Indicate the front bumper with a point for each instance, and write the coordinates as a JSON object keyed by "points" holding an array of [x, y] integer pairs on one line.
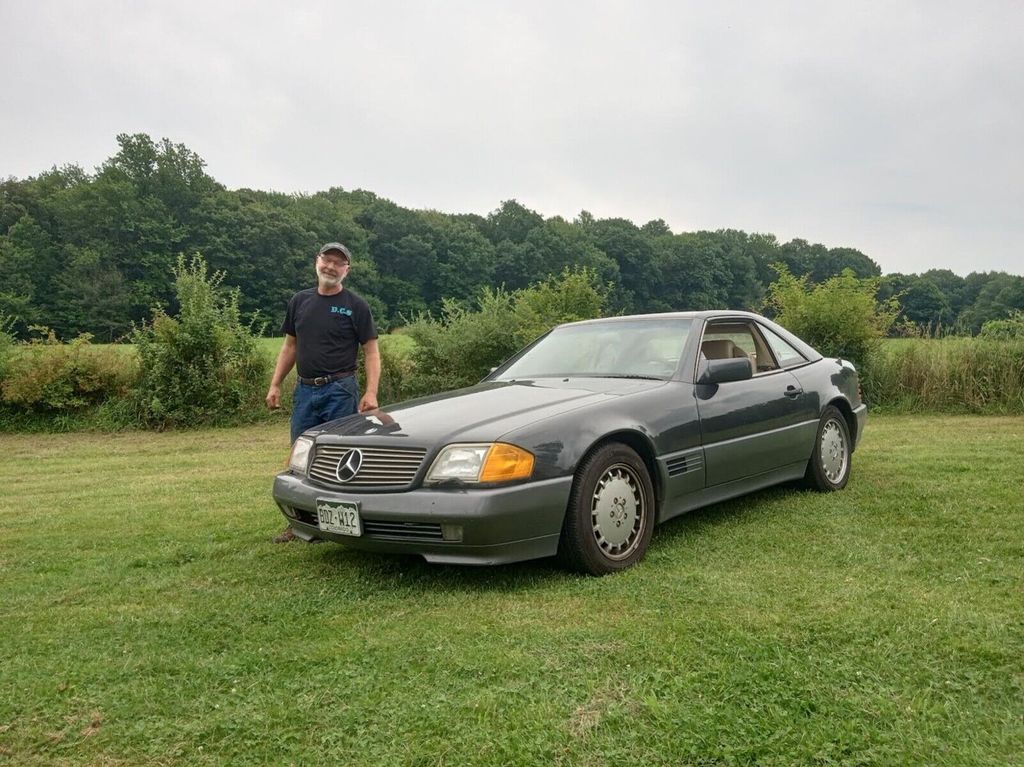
{"points": [[496, 525]]}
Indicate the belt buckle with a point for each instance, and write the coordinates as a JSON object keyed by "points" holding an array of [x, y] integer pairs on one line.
{"points": [[321, 380]]}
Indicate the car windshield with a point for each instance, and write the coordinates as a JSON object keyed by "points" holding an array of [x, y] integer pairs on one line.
{"points": [[641, 348]]}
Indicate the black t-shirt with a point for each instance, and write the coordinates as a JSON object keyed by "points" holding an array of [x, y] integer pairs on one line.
{"points": [[328, 331]]}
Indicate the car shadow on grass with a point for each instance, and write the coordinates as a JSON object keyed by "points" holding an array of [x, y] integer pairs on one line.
{"points": [[704, 520], [404, 571], [409, 570]]}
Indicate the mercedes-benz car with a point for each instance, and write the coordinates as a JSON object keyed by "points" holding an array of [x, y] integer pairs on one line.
{"points": [[580, 443]]}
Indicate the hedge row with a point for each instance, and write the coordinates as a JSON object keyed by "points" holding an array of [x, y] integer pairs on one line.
{"points": [[205, 367]]}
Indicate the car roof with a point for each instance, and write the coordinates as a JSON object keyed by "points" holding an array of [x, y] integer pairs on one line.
{"points": [[705, 314]]}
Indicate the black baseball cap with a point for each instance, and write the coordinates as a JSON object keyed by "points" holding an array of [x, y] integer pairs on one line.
{"points": [[336, 247]]}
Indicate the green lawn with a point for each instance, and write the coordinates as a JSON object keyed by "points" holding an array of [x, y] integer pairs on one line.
{"points": [[146, 619]]}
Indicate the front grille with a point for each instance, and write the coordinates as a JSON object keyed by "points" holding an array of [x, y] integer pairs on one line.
{"points": [[380, 467], [402, 530]]}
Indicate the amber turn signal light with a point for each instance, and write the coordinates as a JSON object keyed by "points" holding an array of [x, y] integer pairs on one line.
{"points": [[506, 462]]}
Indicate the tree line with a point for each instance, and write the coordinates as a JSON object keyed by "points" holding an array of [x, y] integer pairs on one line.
{"points": [[95, 252]]}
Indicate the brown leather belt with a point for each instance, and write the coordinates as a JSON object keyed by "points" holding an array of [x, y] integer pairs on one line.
{"points": [[324, 380]]}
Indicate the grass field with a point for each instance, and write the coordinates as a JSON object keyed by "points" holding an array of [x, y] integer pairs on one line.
{"points": [[146, 619]]}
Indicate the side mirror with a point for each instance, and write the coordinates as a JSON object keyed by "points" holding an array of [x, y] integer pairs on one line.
{"points": [[724, 371]]}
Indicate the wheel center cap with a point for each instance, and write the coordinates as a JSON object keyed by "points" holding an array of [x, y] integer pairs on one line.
{"points": [[618, 511], [615, 512]]}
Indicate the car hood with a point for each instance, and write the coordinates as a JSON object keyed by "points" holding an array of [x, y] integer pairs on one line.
{"points": [[480, 413]]}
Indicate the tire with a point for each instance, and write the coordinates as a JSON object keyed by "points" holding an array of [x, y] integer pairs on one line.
{"points": [[610, 517], [829, 467]]}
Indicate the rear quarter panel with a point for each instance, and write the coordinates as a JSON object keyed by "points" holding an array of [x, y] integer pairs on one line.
{"points": [[832, 381]]}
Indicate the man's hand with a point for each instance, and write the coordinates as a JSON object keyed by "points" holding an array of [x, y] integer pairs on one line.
{"points": [[274, 397], [285, 362], [371, 355]]}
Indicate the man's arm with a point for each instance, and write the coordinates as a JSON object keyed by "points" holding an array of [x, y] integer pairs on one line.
{"points": [[371, 355], [285, 362]]}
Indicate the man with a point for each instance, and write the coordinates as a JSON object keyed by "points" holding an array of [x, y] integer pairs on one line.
{"points": [[323, 330]]}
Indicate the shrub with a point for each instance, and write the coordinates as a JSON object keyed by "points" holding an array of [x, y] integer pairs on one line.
{"points": [[839, 317], [397, 368], [460, 347], [575, 295], [1011, 327], [46, 376], [7, 341], [203, 366], [465, 342]]}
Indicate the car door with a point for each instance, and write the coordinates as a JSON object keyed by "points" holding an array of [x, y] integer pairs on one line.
{"points": [[756, 425]]}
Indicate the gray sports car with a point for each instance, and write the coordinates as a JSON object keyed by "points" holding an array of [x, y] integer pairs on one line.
{"points": [[581, 443]]}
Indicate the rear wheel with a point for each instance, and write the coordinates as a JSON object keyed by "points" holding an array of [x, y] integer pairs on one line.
{"points": [[829, 467], [610, 518]]}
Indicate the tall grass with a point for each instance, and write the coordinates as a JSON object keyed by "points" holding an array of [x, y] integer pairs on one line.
{"points": [[948, 375], [920, 375]]}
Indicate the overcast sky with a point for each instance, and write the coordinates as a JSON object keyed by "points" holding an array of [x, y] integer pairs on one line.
{"points": [[895, 128]]}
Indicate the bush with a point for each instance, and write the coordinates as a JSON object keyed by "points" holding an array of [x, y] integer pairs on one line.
{"points": [[46, 376], [839, 317], [203, 366], [460, 347], [7, 341], [1000, 330], [575, 295], [396, 368]]}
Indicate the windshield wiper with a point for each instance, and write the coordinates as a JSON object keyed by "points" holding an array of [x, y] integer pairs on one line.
{"points": [[567, 376], [626, 375]]}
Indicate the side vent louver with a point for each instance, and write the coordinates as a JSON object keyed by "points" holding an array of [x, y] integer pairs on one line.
{"points": [[683, 464]]}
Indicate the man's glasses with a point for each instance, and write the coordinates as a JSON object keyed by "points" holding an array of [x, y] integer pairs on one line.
{"points": [[336, 262]]}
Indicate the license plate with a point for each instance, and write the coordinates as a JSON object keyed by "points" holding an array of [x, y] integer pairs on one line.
{"points": [[340, 517]]}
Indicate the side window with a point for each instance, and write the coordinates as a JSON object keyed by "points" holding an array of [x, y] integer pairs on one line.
{"points": [[784, 353], [736, 339]]}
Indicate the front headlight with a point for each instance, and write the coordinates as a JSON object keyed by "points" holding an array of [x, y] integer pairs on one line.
{"points": [[490, 462], [299, 459]]}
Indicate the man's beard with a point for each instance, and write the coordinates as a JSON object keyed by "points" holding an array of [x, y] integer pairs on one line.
{"points": [[326, 280]]}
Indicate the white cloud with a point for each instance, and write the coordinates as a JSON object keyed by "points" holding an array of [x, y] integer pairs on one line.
{"points": [[889, 128]]}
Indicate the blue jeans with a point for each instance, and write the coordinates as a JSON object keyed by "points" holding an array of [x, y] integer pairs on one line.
{"points": [[314, 405]]}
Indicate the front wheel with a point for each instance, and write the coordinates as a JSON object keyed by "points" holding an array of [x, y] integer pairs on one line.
{"points": [[610, 517], [829, 467]]}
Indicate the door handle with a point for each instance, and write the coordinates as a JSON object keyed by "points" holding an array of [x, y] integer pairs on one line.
{"points": [[793, 391]]}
